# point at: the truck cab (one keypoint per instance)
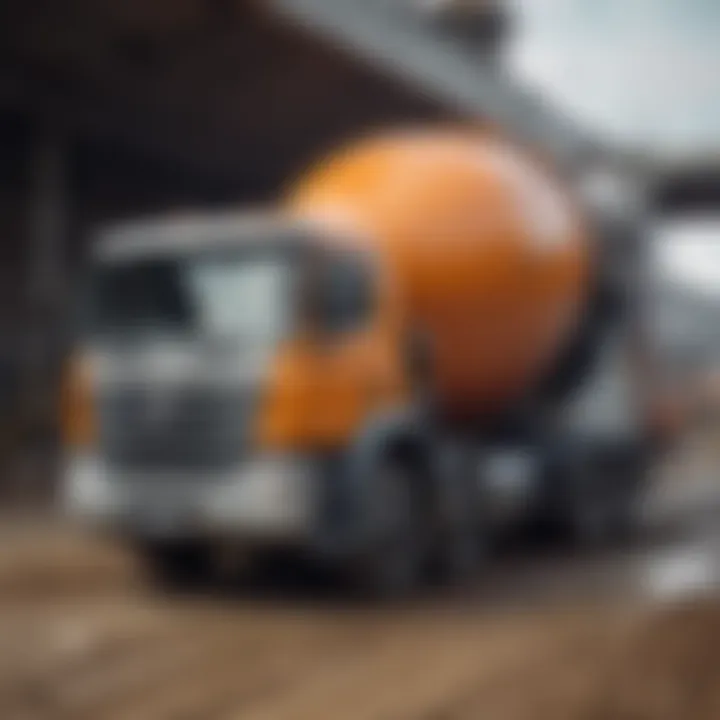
(221, 361)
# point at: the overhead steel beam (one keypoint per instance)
(390, 36)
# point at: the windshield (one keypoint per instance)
(242, 297)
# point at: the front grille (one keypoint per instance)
(174, 428)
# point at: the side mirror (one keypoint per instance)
(340, 297)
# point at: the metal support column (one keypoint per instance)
(46, 233)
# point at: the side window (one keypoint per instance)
(348, 294)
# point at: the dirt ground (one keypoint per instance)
(81, 638)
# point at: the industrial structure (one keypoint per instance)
(110, 108)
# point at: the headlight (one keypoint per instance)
(278, 487)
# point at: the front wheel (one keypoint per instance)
(392, 566)
(176, 567)
(463, 543)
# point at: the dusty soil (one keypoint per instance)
(81, 638)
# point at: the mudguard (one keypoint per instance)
(348, 509)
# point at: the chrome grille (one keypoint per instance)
(174, 428)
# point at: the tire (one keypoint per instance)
(177, 567)
(463, 546)
(628, 492)
(589, 517)
(603, 505)
(462, 554)
(392, 567)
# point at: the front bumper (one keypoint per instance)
(269, 500)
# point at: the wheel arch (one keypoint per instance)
(398, 435)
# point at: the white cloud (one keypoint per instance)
(643, 72)
(687, 253)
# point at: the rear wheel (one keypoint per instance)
(588, 521)
(629, 484)
(463, 552)
(601, 501)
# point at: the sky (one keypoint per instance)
(643, 73)
(687, 253)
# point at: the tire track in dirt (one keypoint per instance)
(78, 649)
(66, 651)
(279, 655)
(411, 669)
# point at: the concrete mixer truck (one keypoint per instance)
(418, 349)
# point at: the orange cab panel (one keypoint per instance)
(487, 250)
